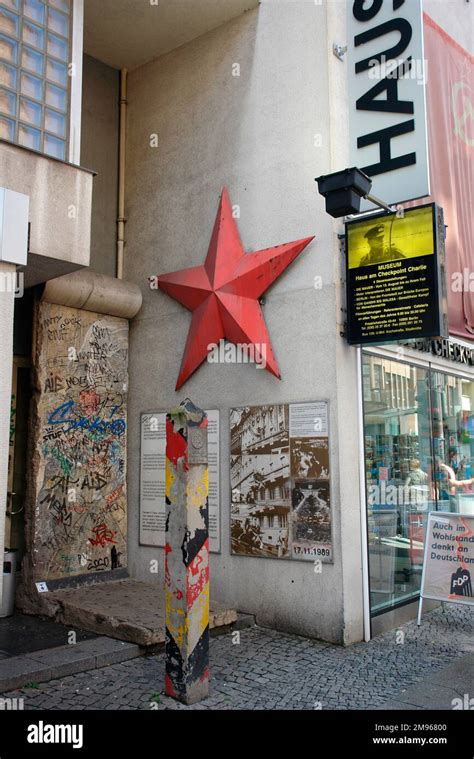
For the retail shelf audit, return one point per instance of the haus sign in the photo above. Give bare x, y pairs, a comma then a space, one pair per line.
387, 108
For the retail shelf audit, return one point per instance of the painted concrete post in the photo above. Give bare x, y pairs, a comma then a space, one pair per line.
187, 554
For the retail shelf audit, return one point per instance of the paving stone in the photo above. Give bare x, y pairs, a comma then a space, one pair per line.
271, 670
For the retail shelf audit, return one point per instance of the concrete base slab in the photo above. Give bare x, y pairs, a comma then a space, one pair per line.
128, 609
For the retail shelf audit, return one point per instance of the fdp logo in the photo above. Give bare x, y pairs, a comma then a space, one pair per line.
461, 584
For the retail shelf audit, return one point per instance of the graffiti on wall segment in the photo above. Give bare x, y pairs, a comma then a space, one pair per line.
80, 442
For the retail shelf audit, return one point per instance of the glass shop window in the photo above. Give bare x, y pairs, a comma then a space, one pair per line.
453, 442
419, 457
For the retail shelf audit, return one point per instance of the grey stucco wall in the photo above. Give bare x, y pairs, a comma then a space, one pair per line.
99, 151
266, 135
456, 17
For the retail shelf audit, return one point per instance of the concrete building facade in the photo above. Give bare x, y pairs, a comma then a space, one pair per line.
249, 96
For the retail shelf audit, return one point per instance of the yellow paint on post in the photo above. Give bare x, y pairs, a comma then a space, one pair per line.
170, 478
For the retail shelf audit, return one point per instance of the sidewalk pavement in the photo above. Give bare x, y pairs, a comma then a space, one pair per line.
256, 668
450, 688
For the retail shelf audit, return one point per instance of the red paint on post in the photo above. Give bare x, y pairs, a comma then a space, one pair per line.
176, 446
169, 690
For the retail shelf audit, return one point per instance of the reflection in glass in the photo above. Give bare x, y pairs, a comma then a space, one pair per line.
7, 102
32, 60
453, 442
30, 112
54, 147
56, 72
62, 5
7, 129
35, 53
399, 476
58, 22
419, 455
30, 138
56, 97
8, 49
57, 47
13, 4
33, 34
8, 75
55, 122
34, 9
9, 22
32, 86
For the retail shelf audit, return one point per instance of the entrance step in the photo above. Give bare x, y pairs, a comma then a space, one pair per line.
129, 610
62, 661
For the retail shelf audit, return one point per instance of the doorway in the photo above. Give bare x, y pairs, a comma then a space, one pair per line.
17, 457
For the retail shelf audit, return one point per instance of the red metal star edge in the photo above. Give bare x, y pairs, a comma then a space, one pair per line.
223, 294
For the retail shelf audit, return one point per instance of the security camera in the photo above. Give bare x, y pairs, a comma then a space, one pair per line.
344, 190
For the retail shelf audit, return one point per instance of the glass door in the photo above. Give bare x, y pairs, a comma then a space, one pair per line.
419, 457
400, 477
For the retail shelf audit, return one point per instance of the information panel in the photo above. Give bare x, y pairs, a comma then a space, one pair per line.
448, 568
280, 485
152, 479
396, 286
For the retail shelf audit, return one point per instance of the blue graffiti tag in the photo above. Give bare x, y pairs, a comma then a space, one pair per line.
64, 415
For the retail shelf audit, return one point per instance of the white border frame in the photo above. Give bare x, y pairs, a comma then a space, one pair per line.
75, 116
363, 502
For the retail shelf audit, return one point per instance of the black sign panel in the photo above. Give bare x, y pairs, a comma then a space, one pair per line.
396, 286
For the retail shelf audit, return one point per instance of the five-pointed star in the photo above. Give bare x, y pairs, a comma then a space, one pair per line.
223, 294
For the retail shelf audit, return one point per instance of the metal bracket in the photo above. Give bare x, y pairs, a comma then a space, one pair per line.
339, 51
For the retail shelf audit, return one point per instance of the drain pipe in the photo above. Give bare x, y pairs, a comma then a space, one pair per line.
121, 178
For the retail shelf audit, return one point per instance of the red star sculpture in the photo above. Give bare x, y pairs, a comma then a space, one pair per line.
223, 294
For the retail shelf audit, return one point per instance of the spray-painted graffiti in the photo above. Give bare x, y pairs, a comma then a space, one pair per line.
79, 459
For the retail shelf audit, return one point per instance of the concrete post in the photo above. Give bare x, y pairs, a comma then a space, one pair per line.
7, 300
187, 554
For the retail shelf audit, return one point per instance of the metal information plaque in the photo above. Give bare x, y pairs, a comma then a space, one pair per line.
152, 478
280, 481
